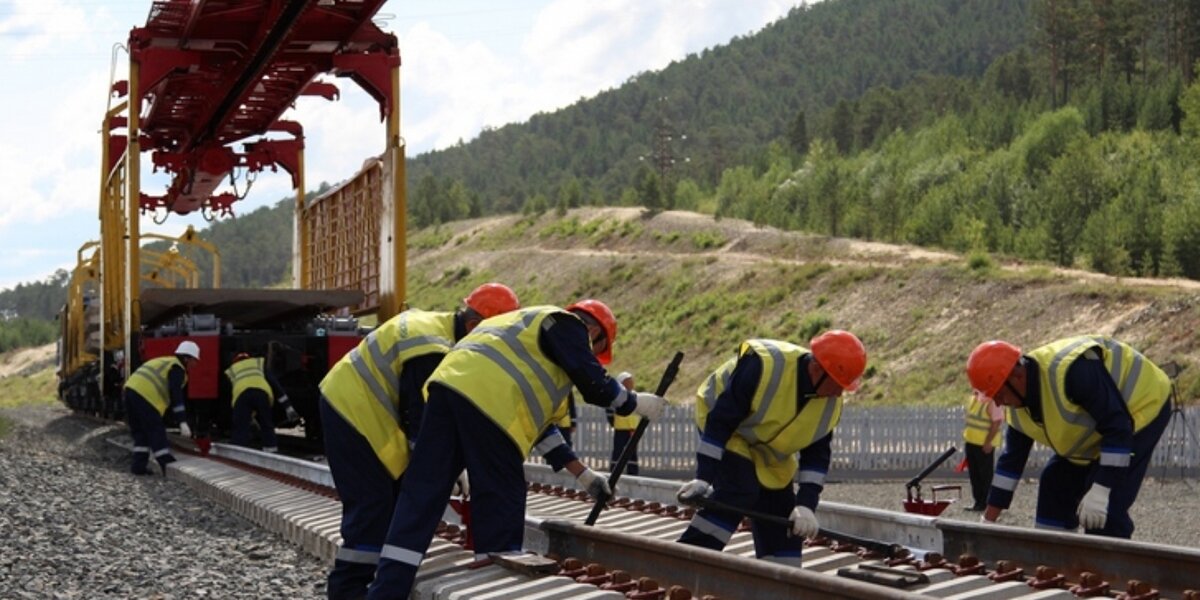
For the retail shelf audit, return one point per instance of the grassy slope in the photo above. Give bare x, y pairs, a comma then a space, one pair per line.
682, 281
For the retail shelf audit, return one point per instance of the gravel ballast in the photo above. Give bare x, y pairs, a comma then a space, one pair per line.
77, 525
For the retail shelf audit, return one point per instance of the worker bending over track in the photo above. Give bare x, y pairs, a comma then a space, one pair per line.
255, 390
492, 400
371, 405
756, 412
1098, 403
158, 383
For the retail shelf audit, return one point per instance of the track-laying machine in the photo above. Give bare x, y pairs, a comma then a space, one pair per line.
204, 103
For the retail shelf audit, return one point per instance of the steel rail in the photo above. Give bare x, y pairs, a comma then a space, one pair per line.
701, 570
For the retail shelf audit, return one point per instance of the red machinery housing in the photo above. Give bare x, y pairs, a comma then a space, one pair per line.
290, 328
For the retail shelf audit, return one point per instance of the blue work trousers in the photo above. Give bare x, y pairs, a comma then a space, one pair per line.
621, 438
368, 493
454, 435
254, 403
1063, 484
737, 485
148, 432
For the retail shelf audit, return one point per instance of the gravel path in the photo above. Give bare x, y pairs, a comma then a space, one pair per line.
1166, 511
76, 524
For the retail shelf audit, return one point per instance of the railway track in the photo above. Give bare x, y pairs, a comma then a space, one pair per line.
632, 549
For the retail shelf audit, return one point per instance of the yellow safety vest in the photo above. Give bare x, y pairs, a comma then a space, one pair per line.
150, 381
629, 421
979, 423
501, 370
775, 431
362, 386
1066, 427
248, 374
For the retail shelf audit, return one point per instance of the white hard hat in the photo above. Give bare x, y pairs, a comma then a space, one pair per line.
188, 348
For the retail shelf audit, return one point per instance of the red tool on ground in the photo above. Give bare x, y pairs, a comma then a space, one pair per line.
462, 506
934, 507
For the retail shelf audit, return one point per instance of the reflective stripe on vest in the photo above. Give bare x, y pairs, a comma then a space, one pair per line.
1066, 427
979, 423
248, 374
501, 370
151, 379
775, 431
362, 385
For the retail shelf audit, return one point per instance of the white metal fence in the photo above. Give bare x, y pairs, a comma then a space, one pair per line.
880, 442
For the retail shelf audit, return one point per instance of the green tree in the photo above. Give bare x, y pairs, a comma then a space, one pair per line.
798, 134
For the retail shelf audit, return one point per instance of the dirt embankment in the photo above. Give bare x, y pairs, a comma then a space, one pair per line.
26, 361
687, 281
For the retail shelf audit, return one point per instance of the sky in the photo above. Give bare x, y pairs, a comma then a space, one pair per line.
467, 65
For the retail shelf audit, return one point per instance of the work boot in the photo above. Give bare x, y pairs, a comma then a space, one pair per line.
165, 460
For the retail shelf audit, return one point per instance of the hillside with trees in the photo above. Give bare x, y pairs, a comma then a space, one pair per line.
730, 101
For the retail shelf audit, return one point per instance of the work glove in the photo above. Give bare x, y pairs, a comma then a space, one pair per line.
804, 522
184, 429
693, 490
462, 486
291, 413
595, 484
650, 405
623, 376
1093, 511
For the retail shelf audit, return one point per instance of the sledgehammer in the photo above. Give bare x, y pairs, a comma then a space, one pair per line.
668, 376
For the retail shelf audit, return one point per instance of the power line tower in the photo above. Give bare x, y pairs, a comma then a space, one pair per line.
661, 156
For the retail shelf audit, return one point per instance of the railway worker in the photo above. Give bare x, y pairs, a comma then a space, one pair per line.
492, 400
623, 428
757, 412
371, 405
1098, 403
160, 383
981, 435
255, 390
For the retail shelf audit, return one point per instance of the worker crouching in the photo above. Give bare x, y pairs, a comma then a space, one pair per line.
492, 400
160, 383
756, 413
371, 407
255, 391
1100, 405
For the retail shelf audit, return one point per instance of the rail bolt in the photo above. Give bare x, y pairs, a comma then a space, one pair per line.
678, 592
1140, 590
1090, 584
1006, 570
594, 574
572, 567
621, 582
647, 589
1046, 578
933, 560
968, 564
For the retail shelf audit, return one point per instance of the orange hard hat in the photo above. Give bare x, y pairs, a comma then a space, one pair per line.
240, 356
601, 313
491, 299
842, 355
989, 366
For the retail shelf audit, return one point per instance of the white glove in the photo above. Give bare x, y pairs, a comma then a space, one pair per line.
595, 484
1093, 511
804, 522
292, 415
184, 430
696, 488
650, 405
462, 487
